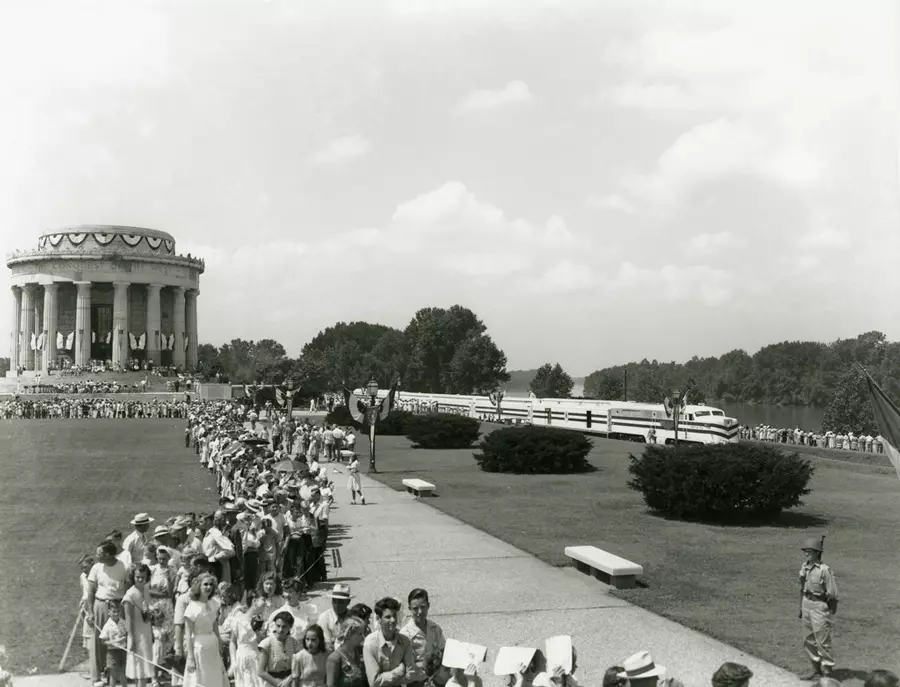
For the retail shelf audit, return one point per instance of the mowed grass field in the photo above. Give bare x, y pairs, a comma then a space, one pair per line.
64, 484
738, 584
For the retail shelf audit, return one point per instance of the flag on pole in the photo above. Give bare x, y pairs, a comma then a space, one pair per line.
887, 417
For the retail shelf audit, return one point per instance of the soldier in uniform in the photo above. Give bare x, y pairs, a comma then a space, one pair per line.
818, 607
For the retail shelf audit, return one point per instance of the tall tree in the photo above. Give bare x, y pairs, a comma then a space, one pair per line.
478, 366
433, 337
551, 381
850, 409
608, 387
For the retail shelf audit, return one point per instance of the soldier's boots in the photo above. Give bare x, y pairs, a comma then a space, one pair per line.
814, 674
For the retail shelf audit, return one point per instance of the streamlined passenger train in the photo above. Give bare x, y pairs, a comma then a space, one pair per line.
615, 419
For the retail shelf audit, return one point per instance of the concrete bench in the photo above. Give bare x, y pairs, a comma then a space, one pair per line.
347, 455
606, 567
419, 487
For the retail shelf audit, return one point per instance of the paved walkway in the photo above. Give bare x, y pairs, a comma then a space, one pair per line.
489, 592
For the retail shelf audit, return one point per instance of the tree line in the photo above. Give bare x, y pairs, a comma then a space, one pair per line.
787, 373
440, 351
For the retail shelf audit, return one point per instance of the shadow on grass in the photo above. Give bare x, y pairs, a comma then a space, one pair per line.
785, 520
844, 674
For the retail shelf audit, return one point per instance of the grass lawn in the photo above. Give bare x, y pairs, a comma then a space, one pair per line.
738, 584
63, 485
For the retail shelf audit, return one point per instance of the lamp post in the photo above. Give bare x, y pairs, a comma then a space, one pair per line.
290, 397
676, 411
372, 418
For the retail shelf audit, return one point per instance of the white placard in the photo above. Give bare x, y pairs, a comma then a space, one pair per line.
509, 658
462, 654
559, 653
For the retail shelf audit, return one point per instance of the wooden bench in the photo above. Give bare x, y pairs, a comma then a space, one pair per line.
606, 567
419, 487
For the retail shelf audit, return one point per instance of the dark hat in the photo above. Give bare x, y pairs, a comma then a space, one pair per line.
731, 675
813, 543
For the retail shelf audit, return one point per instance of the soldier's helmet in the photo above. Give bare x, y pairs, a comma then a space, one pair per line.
814, 543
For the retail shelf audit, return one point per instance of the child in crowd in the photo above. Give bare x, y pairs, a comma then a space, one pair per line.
115, 636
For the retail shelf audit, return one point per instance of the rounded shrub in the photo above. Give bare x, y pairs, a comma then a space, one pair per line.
534, 451
442, 430
393, 425
720, 482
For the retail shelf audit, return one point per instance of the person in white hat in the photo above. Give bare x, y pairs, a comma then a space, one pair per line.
136, 541
331, 620
641, 670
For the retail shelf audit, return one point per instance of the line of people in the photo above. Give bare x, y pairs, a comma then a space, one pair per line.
837, 440
91, 408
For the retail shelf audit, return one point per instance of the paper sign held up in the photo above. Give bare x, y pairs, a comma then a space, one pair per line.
509, 658
559, 653
462, 654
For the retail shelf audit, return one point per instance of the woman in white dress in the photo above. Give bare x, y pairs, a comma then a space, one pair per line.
204, 667
244, 646
137, 623
353, 483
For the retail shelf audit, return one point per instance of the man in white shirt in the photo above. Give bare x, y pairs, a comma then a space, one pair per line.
217, 547
136, 541
330, 620
427, 639
106, 583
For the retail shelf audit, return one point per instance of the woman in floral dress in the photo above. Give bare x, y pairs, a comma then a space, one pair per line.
162, 591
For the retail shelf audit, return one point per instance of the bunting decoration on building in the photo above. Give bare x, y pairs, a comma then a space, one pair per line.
70, 341
132, 340
60, 341
187, 341
41, 340
142, 341
34, 342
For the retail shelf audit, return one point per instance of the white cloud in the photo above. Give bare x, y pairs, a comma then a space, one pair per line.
565, 277
613, 201
825, 237
706, 245
342, 150
557, 232
476, 101
698, 283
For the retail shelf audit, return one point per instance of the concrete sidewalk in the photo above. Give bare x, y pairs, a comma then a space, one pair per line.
489, 592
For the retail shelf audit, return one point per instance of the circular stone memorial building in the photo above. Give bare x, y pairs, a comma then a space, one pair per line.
118, 295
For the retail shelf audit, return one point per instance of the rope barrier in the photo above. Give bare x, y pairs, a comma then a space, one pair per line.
90, 620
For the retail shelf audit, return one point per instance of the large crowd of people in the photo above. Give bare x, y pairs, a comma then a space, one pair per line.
220, 598
836, 440
93, 408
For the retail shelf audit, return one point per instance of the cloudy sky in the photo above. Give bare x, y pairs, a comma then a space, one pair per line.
600, 181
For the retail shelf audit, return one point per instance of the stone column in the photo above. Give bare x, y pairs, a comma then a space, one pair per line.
27, 319
191, 327
15, 348
120, 324
51, 324
37, 325
178, 326
154, 323
83, 324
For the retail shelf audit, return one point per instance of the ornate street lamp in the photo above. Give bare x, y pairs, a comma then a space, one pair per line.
496, 398
676, 411
372, 413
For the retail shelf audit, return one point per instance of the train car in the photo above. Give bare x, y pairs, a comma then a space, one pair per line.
697, 423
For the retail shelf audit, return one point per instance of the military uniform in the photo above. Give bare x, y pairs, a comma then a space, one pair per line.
819, 604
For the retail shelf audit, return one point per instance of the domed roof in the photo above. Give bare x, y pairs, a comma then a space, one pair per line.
110, 229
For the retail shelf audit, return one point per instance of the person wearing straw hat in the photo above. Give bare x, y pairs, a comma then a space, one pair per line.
331, 620
818, 607
136, 541
642, 671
